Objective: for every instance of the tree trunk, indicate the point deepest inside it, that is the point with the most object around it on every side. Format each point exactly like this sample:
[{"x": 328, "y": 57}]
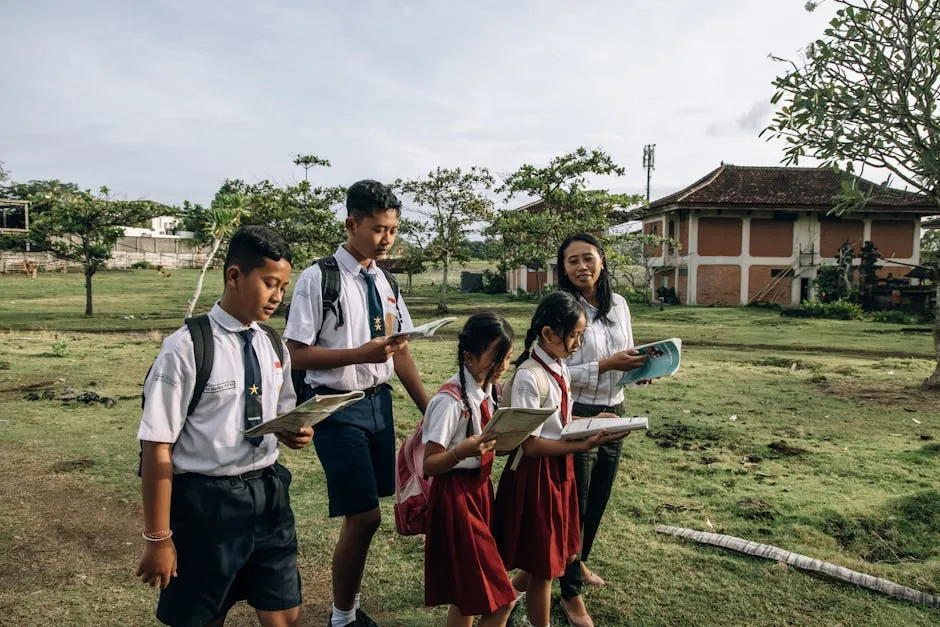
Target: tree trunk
[
  {"x": 409, "y": 283},
  {"x": 933, "y": 381},
  {"x": 202, "y": 275},
  {"x": 442, "y": 304},
  {"x": 88, "y": 274}
]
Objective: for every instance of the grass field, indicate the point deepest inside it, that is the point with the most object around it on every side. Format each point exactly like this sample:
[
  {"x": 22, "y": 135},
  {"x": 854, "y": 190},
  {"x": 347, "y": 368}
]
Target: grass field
[{"x": 808, "y": 435}]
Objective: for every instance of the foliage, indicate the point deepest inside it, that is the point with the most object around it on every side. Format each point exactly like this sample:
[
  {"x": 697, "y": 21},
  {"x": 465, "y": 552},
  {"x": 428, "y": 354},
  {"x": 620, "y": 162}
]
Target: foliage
[
  {"x": 310, "y": 161},
  {"x": 84, "y": 227},
  {"x": 930, "y": 246},
  {"x": 637, "y": 248},
  {"x": 894, "y": 317},
  {"x": 142, "y": 265},
  {"x": 530, "y": 237},
  {"x": 494, "y": 281},
  {"x": 4, "y": 173},
  {"x": 867, "y": 93},
  {"x": 219, "y": 223},
  {"x": 452, "y": 201},
  {"x": 60, "y": 348},
  {"x": 411, "y": 244},
  {"x": 838, "y": 310}
]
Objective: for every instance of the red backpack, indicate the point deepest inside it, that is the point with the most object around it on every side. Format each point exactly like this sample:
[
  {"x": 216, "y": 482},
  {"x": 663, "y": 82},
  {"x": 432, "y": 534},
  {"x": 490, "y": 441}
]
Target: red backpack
[{"x": 412, "y": 486}]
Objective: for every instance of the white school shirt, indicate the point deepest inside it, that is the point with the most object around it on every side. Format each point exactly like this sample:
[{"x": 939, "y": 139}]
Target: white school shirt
[
  {"x": 600, "y": 341},
  {"x": 445, "y": 422},
  {"x": 211, "y": 440},
  {"x": 306, "y": 319},
  {"x": 525, "y": 393}
]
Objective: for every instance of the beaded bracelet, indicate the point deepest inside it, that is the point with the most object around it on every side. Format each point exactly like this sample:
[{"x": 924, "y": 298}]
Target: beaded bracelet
[{"x": 157, "y": 536}]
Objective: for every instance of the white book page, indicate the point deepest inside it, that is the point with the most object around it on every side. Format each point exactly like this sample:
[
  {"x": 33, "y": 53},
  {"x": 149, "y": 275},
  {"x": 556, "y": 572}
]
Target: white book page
[{"x": 307, "y": 414}]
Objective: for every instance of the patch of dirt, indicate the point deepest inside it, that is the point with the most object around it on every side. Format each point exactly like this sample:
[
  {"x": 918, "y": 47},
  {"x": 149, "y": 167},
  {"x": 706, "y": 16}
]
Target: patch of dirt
[
  {"x": 781, "y": 447},
  {"x": 63, "y": 531},
  {"x": 885, "y": 394},
  {"x": 685, "y": 437},
  {"x": 755, "y": 509}
]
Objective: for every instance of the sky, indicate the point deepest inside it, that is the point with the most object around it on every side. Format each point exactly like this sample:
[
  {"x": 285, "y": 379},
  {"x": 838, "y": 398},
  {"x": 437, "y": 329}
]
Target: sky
[{"x": 167, "y": 98}]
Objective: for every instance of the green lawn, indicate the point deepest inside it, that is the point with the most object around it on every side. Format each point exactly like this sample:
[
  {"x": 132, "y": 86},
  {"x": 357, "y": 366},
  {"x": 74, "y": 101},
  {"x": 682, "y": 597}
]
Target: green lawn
[{"x": 830, "y": 455}]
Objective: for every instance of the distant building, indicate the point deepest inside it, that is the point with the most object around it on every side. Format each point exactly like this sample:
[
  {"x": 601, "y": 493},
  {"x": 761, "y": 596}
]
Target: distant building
[
  {"x": 161, "y": 226},
  {"x": 760, "y": 233}
]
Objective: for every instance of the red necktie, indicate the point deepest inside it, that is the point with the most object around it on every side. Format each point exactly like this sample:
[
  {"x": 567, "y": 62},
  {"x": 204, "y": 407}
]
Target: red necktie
[
  {"x": 562, "y": 384},
  {"x": 485, "y": 414}
]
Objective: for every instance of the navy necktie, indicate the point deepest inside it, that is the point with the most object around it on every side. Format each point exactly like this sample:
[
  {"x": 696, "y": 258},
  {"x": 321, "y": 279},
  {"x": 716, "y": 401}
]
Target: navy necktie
[
  {"x": 376, "y": 313},
  {"x": 253, "y": 411}
]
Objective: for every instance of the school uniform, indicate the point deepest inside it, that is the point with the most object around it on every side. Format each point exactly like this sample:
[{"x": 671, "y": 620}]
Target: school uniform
[
  {"x": 536, "y": 520},
  {"x": 230, "y": 513},
  {"x": 593, "y": 394},
  {"x": 356, "y": 445},
  {"x": 462, "y": 565}
]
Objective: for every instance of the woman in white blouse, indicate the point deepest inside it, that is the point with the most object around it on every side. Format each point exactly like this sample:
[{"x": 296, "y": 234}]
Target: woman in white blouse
[{"x": 606, "y": 352}]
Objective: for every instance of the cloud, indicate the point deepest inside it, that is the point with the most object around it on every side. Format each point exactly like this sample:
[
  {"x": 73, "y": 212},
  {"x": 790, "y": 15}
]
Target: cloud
[{"x": 751, "y": 123}]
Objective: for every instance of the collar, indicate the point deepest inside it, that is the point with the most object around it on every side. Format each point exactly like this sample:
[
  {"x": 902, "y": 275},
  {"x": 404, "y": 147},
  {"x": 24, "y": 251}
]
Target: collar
[
  {"x": 347, "y": 262},
  {"x": 227, "y": 321},
  {"x": 475, "y": 394},
  {"x": 591, "y": 309},
  {"x": 550, "y": 361}
]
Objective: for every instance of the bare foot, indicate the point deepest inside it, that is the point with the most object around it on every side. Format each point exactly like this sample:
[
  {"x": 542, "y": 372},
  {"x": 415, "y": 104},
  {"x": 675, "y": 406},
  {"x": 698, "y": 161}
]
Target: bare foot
[{"x": 576, "y": 613}]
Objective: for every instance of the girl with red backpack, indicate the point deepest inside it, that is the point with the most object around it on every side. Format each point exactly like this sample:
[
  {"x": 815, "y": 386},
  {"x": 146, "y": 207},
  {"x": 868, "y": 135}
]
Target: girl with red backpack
[{"x": 462, "y": 566}]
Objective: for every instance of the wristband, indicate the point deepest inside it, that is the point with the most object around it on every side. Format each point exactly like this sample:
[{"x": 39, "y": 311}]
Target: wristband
[{"x": 157, "y": 536}]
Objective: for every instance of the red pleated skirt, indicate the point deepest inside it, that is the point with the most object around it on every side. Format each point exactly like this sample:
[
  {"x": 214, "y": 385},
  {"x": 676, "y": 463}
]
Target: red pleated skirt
[
  {"x": 536, "y": 523},
  {"x": 462, "y": 565}
]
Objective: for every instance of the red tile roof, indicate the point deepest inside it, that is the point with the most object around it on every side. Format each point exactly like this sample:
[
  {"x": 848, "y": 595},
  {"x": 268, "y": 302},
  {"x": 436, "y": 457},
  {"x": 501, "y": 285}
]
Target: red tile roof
[{"x": 783, "y": 187}]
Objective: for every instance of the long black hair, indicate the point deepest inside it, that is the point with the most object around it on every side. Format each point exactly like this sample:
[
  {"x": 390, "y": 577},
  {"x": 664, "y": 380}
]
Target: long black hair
[
  {"x": 604, "y": 291},
  {"x": 481, "y": 330},
  {"x": 559, "y": 311}
]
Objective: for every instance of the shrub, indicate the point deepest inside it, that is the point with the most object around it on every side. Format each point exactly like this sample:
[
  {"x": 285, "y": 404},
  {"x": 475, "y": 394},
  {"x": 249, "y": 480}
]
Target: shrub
[
  {"x": 896, "y": 317},
  {"x": 494, "y": 282},
  {"x": 839, "y": 310},
  {"x": 142, "y": 265},
  {"x": 634, "y": 296}
]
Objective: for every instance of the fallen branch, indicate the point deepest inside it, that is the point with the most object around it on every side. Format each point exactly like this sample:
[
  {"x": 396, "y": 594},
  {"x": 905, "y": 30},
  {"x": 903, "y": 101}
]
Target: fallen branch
[
  {"x": 28, "y": 386},
  {"x": 806, "y": 563}
]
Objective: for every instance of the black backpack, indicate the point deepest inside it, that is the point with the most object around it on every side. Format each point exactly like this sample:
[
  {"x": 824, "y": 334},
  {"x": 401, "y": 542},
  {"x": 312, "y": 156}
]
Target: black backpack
[
  {"x": 330, "y": 284},
  {"x": 204, "y": 352}
]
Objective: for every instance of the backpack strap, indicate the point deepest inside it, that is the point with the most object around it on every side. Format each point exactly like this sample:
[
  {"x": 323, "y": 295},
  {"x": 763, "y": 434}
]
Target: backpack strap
[
  {"x": 541, "y": 382},
  {"x": 276, "y": 342},
  {"x": 204, "y": 352},
  {"x": 329, "y": 289},
  {"x": 453, "y": 390},
  {"x": 542, "y": 386}
]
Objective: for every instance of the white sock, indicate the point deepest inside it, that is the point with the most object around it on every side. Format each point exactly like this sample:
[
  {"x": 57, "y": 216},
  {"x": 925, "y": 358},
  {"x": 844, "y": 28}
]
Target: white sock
[
  {"x": 341, "y": 618},
  {"x": 356, "y": 601}
]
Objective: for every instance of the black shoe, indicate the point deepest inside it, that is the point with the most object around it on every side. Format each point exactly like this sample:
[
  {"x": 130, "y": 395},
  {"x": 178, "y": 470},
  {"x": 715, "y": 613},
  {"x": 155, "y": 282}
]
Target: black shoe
[{"x": 363, "y": 620}]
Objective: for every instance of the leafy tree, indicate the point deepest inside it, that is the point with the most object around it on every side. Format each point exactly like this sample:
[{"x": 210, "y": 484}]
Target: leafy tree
[
  {"x": 4, "y": 174},
  {"x": 310, "y": 161},
  {"x": 866, "y": 94},
  {"x": 452, "y": 201},
  {"x": 530, "y": 238},
  {"x": 218, "y": 225},
  {"x": 636, "y": 249},
  {"x": 84, "y": 227},
  {"x": 412, "y": 244},
  {"x": 930, "y": 247}
]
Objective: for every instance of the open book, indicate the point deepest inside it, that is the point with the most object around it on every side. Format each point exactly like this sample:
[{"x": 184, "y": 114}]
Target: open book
[
  {"x": 514, "y": 424},
  {"x": 307, "y": 414},
  {"x": 425, "y": 330},
  {"x": 586, "y": 427},
  {"x": 663, "y": 361}
]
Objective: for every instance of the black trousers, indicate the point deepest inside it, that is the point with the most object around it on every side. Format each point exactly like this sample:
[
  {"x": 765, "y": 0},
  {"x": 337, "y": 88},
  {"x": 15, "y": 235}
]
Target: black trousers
[{"x": 594, "y": 472}]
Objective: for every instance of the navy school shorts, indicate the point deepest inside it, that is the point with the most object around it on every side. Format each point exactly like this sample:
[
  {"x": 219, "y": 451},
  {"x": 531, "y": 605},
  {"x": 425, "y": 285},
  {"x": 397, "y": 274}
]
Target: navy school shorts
[
  {"x": 356, "y": 447},
  {"x": 235, "y": 541}
]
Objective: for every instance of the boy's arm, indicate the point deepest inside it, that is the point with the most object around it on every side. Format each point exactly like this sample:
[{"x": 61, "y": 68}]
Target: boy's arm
[
  {"x": 158, "y": 563},
  {"x": 407, "y": 372},
  {"x": 309, "y": 357}
]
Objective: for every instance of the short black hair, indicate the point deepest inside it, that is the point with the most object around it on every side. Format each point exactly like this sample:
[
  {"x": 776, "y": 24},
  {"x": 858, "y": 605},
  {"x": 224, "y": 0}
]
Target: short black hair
[
  {"x": 251, "y": 245},
  {"x": 364, "y": 198}
]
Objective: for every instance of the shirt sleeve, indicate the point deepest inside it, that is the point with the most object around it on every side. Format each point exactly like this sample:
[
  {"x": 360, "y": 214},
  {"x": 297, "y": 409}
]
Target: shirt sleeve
[
  {"x": 168, "y": 390},
  {"x": 627, "y": 322},
  {"x": 525, "y": 393},
  {"x": 442, "y": 420},
  {"x": 306, "y": 308},
  {"x": 287, "y": 396}
]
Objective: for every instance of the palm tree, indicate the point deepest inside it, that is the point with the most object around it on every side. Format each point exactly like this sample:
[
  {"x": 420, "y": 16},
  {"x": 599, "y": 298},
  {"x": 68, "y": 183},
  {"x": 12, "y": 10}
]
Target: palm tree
[{"x": 222, "y": 220}]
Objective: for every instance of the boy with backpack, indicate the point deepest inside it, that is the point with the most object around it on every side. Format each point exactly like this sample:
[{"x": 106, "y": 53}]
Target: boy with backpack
[
  {"x": 341, "y": 341},
  {"x": 217, "y": 519}
]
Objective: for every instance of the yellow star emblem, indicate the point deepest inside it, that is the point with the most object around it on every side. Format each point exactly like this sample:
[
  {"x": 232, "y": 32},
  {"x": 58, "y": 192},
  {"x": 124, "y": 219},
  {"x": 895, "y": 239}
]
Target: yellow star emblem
[
  {"x": 378, "y": 323},
  {"x": 253, "y": 390}
]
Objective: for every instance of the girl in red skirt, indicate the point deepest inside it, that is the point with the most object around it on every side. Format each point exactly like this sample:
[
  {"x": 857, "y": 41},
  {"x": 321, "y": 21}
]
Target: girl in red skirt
[
  {"x": 536, "y": 522},
  {"x": 462, "y": 566}
]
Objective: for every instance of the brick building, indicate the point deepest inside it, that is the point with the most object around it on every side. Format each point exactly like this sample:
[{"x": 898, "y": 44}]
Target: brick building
[{"x": 760, "y": 233}]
